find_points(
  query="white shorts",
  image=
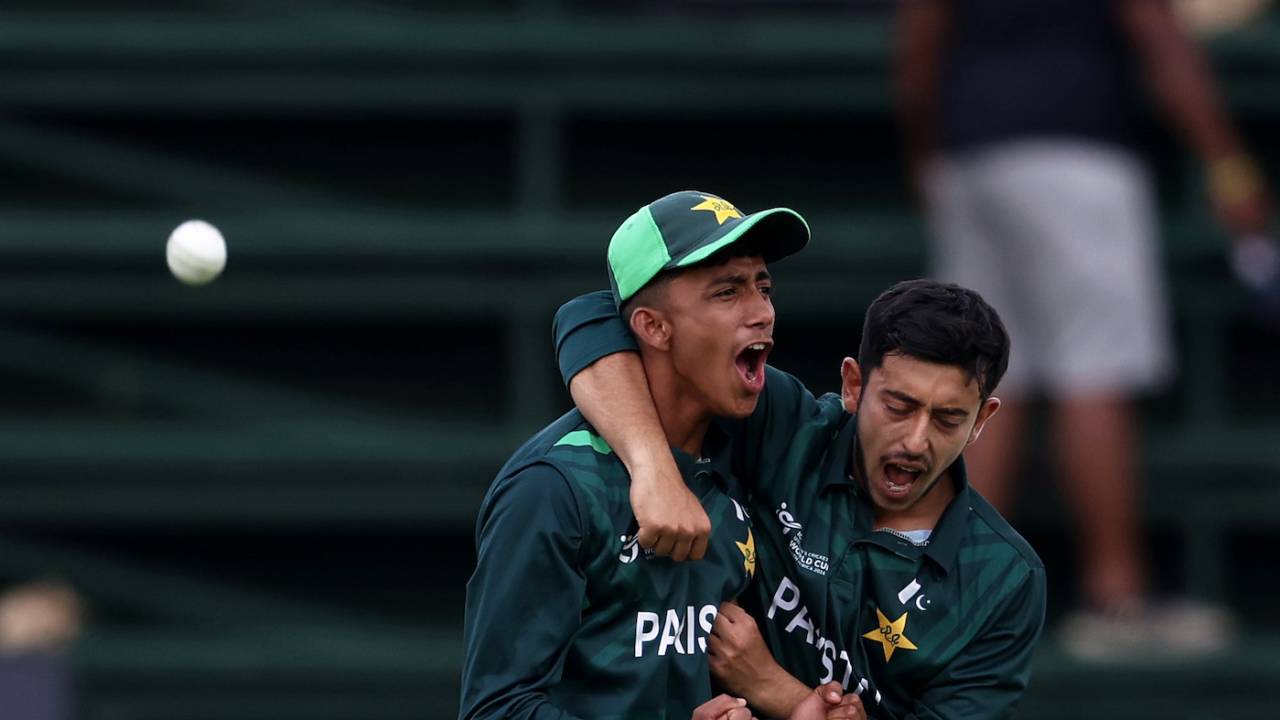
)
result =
(1059, 237)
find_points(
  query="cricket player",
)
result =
(566, 615)
(879, 567)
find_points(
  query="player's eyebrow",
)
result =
(731, 278)
(958, 413)
(902, 397)
(955, 412)
(737, 278)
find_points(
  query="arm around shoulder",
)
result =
(606, 378)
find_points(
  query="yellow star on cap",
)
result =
(748, 549)
(889, 635)
(722, 208)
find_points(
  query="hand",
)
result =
(849, 708)
(671, 520)
(723, 707)
(736, 652)
(1239, 195)
(1246, 215)
(822, 702)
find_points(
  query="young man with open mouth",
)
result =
(567, 616)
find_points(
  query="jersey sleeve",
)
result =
(586, 329)
(528, 539)
(988, 679)
(763, 442)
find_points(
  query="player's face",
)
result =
(721, 333)
(914, 419)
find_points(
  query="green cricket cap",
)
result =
(685, 228)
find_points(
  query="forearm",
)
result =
(1178, 73)
(598, 360)
(613, 395)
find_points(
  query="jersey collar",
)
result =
(944, 543)
(837, 471)
(714, 462)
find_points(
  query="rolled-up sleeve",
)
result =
(586, 329)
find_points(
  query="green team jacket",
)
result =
(941, 631)
(566, 616)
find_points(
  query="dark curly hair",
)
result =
(940, 323)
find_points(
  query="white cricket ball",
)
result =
(196, 252)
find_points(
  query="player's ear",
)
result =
(650, 326)
(985, 412)
(850, 384)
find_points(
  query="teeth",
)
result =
(757, 346)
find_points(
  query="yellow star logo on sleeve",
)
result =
(748, 549)
(722, 208)
(890, 634)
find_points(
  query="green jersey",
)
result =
(936, 628)
(566, 616)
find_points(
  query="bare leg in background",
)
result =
(995, 460)
(1097, 442)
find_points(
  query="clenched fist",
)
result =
(723, 707)
(671, 520)
(828, 702)
(739, 659)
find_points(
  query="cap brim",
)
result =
(777, 233)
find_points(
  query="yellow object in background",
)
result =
(1212, 17)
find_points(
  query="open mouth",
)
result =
(898, 478)
(750, 364)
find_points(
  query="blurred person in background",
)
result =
(38, 622)
(39, 616)
(1021, 121)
